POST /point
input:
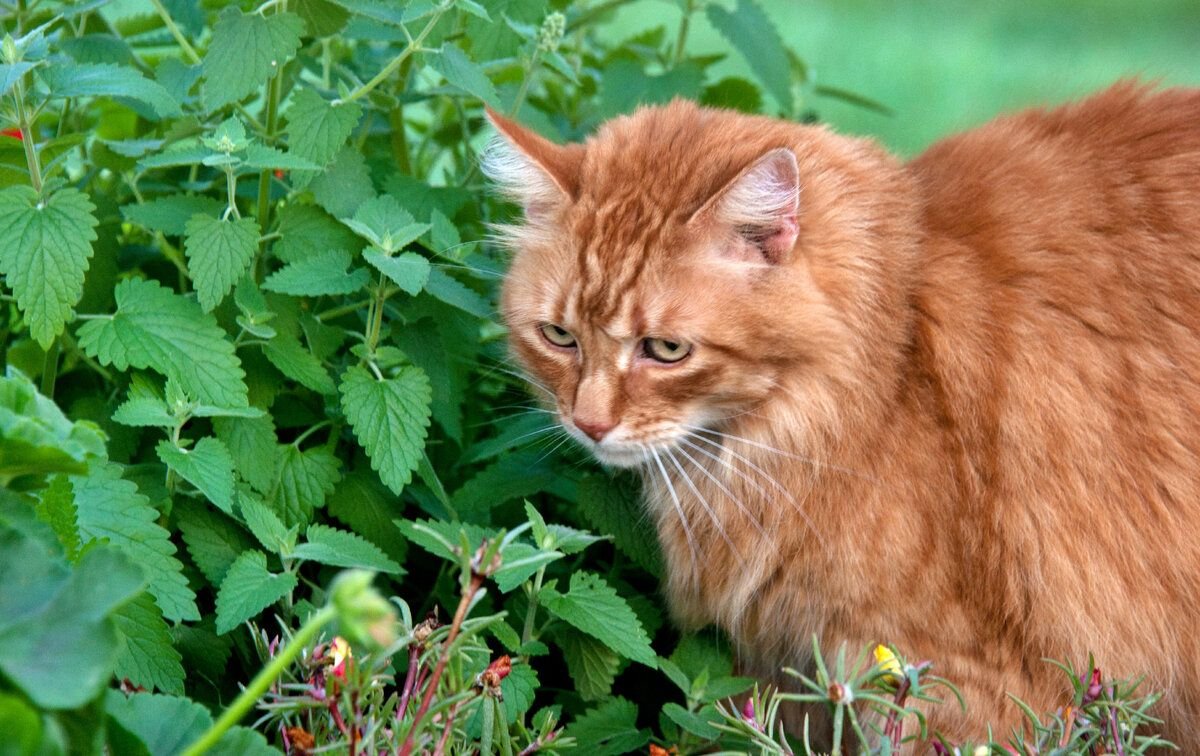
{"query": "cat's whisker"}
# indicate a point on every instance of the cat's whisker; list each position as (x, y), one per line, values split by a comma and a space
(721, 486)
(687, 531)
(782, 453)
(779, 487)
(565, 438)
(716, 521)
(477, 271)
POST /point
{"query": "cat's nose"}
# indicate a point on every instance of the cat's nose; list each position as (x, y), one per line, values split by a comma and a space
(595, 429)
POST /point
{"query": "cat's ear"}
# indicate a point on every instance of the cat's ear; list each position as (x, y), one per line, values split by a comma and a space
(762, 204)
(531, 169)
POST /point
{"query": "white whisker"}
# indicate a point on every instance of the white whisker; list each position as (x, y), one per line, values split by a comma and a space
(687, 531)
(782, 453)
(704, 503)
(721, 486)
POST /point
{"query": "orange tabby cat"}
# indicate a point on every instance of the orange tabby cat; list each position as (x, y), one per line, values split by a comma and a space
(952, 404)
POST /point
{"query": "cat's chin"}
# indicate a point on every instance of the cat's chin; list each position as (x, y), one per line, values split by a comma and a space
(619, 457)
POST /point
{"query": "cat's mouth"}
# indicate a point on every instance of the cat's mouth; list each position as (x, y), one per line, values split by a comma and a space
(617, 450)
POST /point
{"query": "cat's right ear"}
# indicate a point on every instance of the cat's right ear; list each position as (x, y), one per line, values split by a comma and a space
(530, 169)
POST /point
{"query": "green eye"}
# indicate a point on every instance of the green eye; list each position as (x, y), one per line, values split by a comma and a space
(666, 350)
(557, 335)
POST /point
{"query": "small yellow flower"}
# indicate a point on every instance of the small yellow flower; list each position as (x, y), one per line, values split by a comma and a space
(888, 662)
(339, 652)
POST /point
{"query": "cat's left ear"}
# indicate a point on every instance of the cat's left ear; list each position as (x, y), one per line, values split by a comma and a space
(531, 169)
(762, 204)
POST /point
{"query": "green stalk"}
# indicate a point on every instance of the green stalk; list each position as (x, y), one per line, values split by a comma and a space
(50, 368)
(262, 681)
(397, 61)
(531, 612)
(175, 32)
(264, 178)
(684, 24)
(231, 188)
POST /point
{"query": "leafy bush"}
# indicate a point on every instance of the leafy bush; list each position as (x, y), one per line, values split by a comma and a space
(244, 252)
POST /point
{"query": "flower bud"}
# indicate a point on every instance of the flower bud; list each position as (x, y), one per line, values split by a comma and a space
(366, 618)
(551, 32)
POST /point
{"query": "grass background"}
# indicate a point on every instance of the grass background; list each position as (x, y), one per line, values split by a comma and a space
(945, 65)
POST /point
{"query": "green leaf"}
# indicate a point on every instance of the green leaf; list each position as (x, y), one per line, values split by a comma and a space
(592, 665)
(615, 508)
(735, 94)
(302, 481)
(520, 562)
(56, 508)
(323, 274)
(249, 588)
(208, 467)
(219, 252)
(624, 85)
(266, 527)
(291, 358)
(572, 541)
(155, 328)
(518, 690)
(692, 722)
(212, 540)
(308, 230)
(317, 129)
(144, 412)
(462, 72)
(750, 31)
(170, 214)
(591, 605)
(111, 509)
(364, 505)
(344, 185)
(58, 643)
(84, 79)
(253, 445)
(262, 157)
(246, 49)
(384, 223)
(341, 549)
(165, 724)
(36, 438)
(45, 246)
(451, 291)
(11, 73)
(408, 270)
(608, 729)
(390, 419)
(442, 538)
(21, 724)
(513, 476)
(148, 659)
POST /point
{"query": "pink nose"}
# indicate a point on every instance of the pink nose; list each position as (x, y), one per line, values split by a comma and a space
(595, 429)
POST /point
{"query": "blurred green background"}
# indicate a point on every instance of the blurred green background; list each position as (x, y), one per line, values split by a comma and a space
(945, 65)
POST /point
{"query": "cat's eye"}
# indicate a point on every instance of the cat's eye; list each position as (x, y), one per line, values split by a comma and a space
(558, 336)
(666, 350)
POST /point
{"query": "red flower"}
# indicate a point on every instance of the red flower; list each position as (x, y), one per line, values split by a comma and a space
(14, 133)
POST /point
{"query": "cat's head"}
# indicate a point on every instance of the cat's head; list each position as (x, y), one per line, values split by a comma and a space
(659, 283)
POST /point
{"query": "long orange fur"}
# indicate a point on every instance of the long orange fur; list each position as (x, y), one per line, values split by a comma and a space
(960, 414)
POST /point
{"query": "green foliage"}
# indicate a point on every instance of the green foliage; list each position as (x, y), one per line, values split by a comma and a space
(245, 259)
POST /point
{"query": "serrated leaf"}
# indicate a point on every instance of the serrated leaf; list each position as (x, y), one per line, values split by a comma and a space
(11, 73)
(695, 723)
(616, 509)
(246, 49)
(144, 412)
(364, 505)
(384, 223)
(572, 541)
(408, 270)
(266, 527)
(111, 509)
(344, 185)
(441, 538)
(750, 31)
(610, 728)
(591, 664)
(45, 247)
(212, 540)
(390, 419)
(302, 481)
(163, 724)
(592, 606)
(262, 157)
(37, 438)
(56, 507)
(519, 564)
(462, 72)
(219, 253)
(248, 588)
(207, 466)
(155, 328)
(323, 274)
(308, 230)
(170, 214)
(253, 445)
(291, 358)
(341, 549)
(513, 476)
(317, 128)
(90, 79)
(453, 292)
(148, 659)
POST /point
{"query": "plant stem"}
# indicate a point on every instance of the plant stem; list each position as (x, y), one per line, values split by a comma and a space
(231, 188)
(396, 62)
(531, 612)
(50, 368)
(175, 32)
(337, 312)
(375, 324)
(684, 24)
(262, 681)
(264, 178)
(460, 614)
(31, 156)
